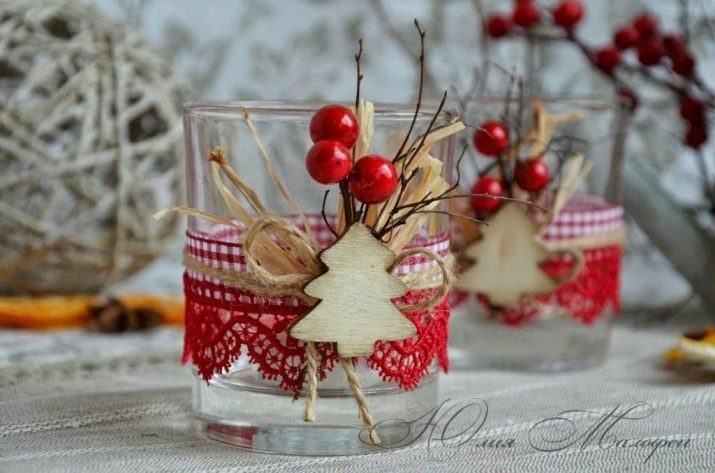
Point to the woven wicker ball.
(89, 135)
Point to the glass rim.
(306, 107)
(584, 100)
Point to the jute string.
(311, 360)
(354, 383)
(415, 278)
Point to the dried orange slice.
(59, 312)
(47, 312)
(698, 346)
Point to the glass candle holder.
(566, 326)
(247, 366)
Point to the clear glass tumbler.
(246, 403)
(567, 327)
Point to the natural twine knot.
(217, 155)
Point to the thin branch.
(702, 165)
(420, 90)
(453, 214)
(358, 56)
(347, 203)
(482, 84)
(325, 217)
(404, 182)
(429, 129)
(469, 196)
(383, 19)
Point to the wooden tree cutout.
(507, 259)
(355, 309)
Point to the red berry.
(532, 174)
(328, 162)
(650, 52)
(646, 25)
(490, 186)
(683, 64)
(673, 44)
(491, 138)
(373, 180)
(607, 58)
(498, 26)
(696, 136)
(568, 13)
(626, 37)
(335, 123)
(692, 110)
(526, 14)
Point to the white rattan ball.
(89, 148)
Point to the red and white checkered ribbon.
(219, 249)
(585, 215)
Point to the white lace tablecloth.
(91, 403)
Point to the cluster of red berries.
(526, 14)
(334, 130)
(532, 175)
(642, 35)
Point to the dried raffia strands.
(430, 183)
(282, 258)
(365, 114)
(274, 175)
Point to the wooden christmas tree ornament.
(507, 259)
(355, 308)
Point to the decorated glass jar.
(308, 334)
(539, 283)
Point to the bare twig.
(486, 47)
(383, 19)
(405, 181)
(325, 216)
(453, 214)
(420, 90)
(347, 203)
(358, 56)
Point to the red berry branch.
(639, 47)
(531, 174)
(372, 179)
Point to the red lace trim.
(595, 290)
(218, 333)
(224, 323)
